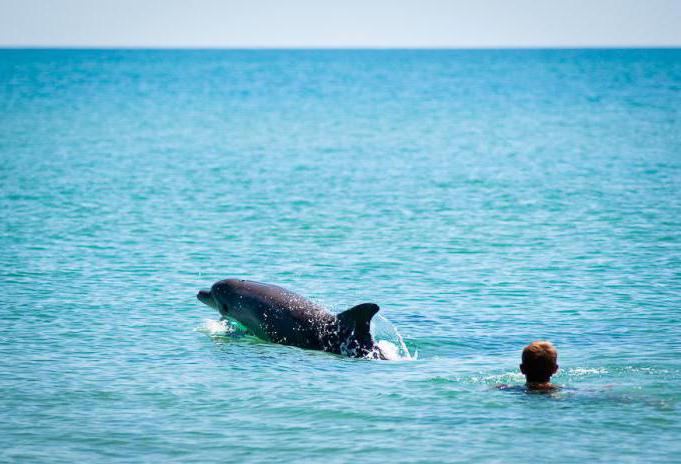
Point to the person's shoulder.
(542, 387)
(533, 389)
(511, 388)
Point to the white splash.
(390, 351)
(499, 378)
(578, 371)
(219, 327)
(389, 340)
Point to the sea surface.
(484, 199)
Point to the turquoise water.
(483, 199)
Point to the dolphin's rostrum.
(281, 316)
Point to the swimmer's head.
(540, 362)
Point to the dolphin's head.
(218, 296)
(213, 300)
(206, 297)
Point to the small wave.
(499, 378)
(219, 327)
(580, 371)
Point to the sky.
(340, 23)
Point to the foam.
(217, 327)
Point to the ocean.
(483, 199)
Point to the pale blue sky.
(334, 23)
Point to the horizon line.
(339, 48)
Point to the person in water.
(540, 362)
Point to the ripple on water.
(483, 199)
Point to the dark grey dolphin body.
(281, 316)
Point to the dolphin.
(281, 316)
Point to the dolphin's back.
(280, 314)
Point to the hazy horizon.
(352, 24)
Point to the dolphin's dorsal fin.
(359, 317)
